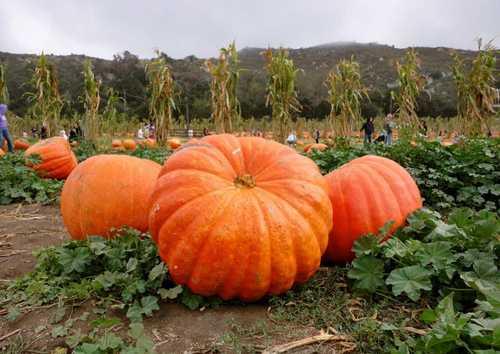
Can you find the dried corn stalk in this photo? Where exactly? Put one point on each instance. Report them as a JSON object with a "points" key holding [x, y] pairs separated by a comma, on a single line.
{"points": [[91, 103]]}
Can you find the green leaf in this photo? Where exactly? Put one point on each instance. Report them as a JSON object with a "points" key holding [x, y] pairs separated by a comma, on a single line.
{"points": [[134, 313], [366, 245], [110, 341], [149, 304], [171, 293], [105, 322], [368, 272], [59, 331], [87, 348], [410, 280], [190, 300], [158, 270], [428, 316], [132, 264], [13, 313]]}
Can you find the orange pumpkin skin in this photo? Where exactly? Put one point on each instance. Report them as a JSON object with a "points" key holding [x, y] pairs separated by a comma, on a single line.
{"points": [[20, 144], [2, 153], [58, 160], [129, 144], [116, 143], [315, 147], [366, 193], [240, 217], [150, 143], [106, 192], [174, 143]]}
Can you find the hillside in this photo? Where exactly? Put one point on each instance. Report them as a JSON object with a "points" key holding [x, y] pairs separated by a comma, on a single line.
{"points": [[125, 73]]}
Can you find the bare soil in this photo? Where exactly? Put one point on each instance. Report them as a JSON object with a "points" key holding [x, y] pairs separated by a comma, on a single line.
{"points": [[174, 328]]}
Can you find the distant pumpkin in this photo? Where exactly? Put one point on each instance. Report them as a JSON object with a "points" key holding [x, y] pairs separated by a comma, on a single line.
{"points": [[106, 192], [240, 217], [20, 144], [174, 143], [129, 144], [150, 143], [116, 143], [315, 147], [366, 193], [57, 158], [2, 153]]}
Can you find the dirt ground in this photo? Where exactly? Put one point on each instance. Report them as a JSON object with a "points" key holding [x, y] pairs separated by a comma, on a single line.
{"points": [[174, 328]]}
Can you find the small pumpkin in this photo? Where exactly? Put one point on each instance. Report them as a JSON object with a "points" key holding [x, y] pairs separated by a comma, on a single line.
{"points": [[20, 144], [240, 217], [57, 158], [2, 153], [106, 192], [366, 193], [129, 144], [116, 143], [150, 143], [315, 147], [174, 143]]}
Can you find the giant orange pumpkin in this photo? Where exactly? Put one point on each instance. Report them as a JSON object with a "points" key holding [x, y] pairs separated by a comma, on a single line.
{"points": [[57, 158], [240, 217], [366, 193], [129, 144], [20, 144], [106, 192]]}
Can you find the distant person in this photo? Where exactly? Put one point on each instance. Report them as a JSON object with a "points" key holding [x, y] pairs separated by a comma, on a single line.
{"points": [[140, 134], [43, 131], [368, 129], [205, 131], [25, 135], [317, 135], [72, 135], [292, 139], [34, 132], [4, 129], [388, 126], [62, 134]]}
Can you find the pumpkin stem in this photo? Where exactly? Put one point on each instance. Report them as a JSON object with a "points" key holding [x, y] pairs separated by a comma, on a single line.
{"points": [[245, 181]]}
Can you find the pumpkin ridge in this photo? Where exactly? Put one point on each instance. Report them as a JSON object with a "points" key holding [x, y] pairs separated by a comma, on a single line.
{"points": [[395, 196], [229, 139], [284, 153], [314, 230], [205, 244]]}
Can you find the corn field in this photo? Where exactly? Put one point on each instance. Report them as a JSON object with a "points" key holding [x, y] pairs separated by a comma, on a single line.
{"points": [[91, 103], [281, 90], [47, 102], [345, 92], [225, 77], [475, 92], [411, 83], [4, 92], [161, 99]]}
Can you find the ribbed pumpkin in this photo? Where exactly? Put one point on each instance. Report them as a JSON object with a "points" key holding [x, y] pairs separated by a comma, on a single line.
{"points": [[366, 193], [58, 160], [240, 217], [174, 143], [129, 144], [116, 143], [106, 192], [20, 144]]}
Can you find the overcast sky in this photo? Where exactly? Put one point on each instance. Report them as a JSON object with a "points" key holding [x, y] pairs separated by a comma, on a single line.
{"points": [[182, 27]]}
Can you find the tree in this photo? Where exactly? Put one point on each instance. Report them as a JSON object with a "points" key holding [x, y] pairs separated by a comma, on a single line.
{"points": [[47, 102], [4, 92], [475, 90], [92, 102], [346, 93], [410, 83], [225, 77], [281, 91], [161, 97]]}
